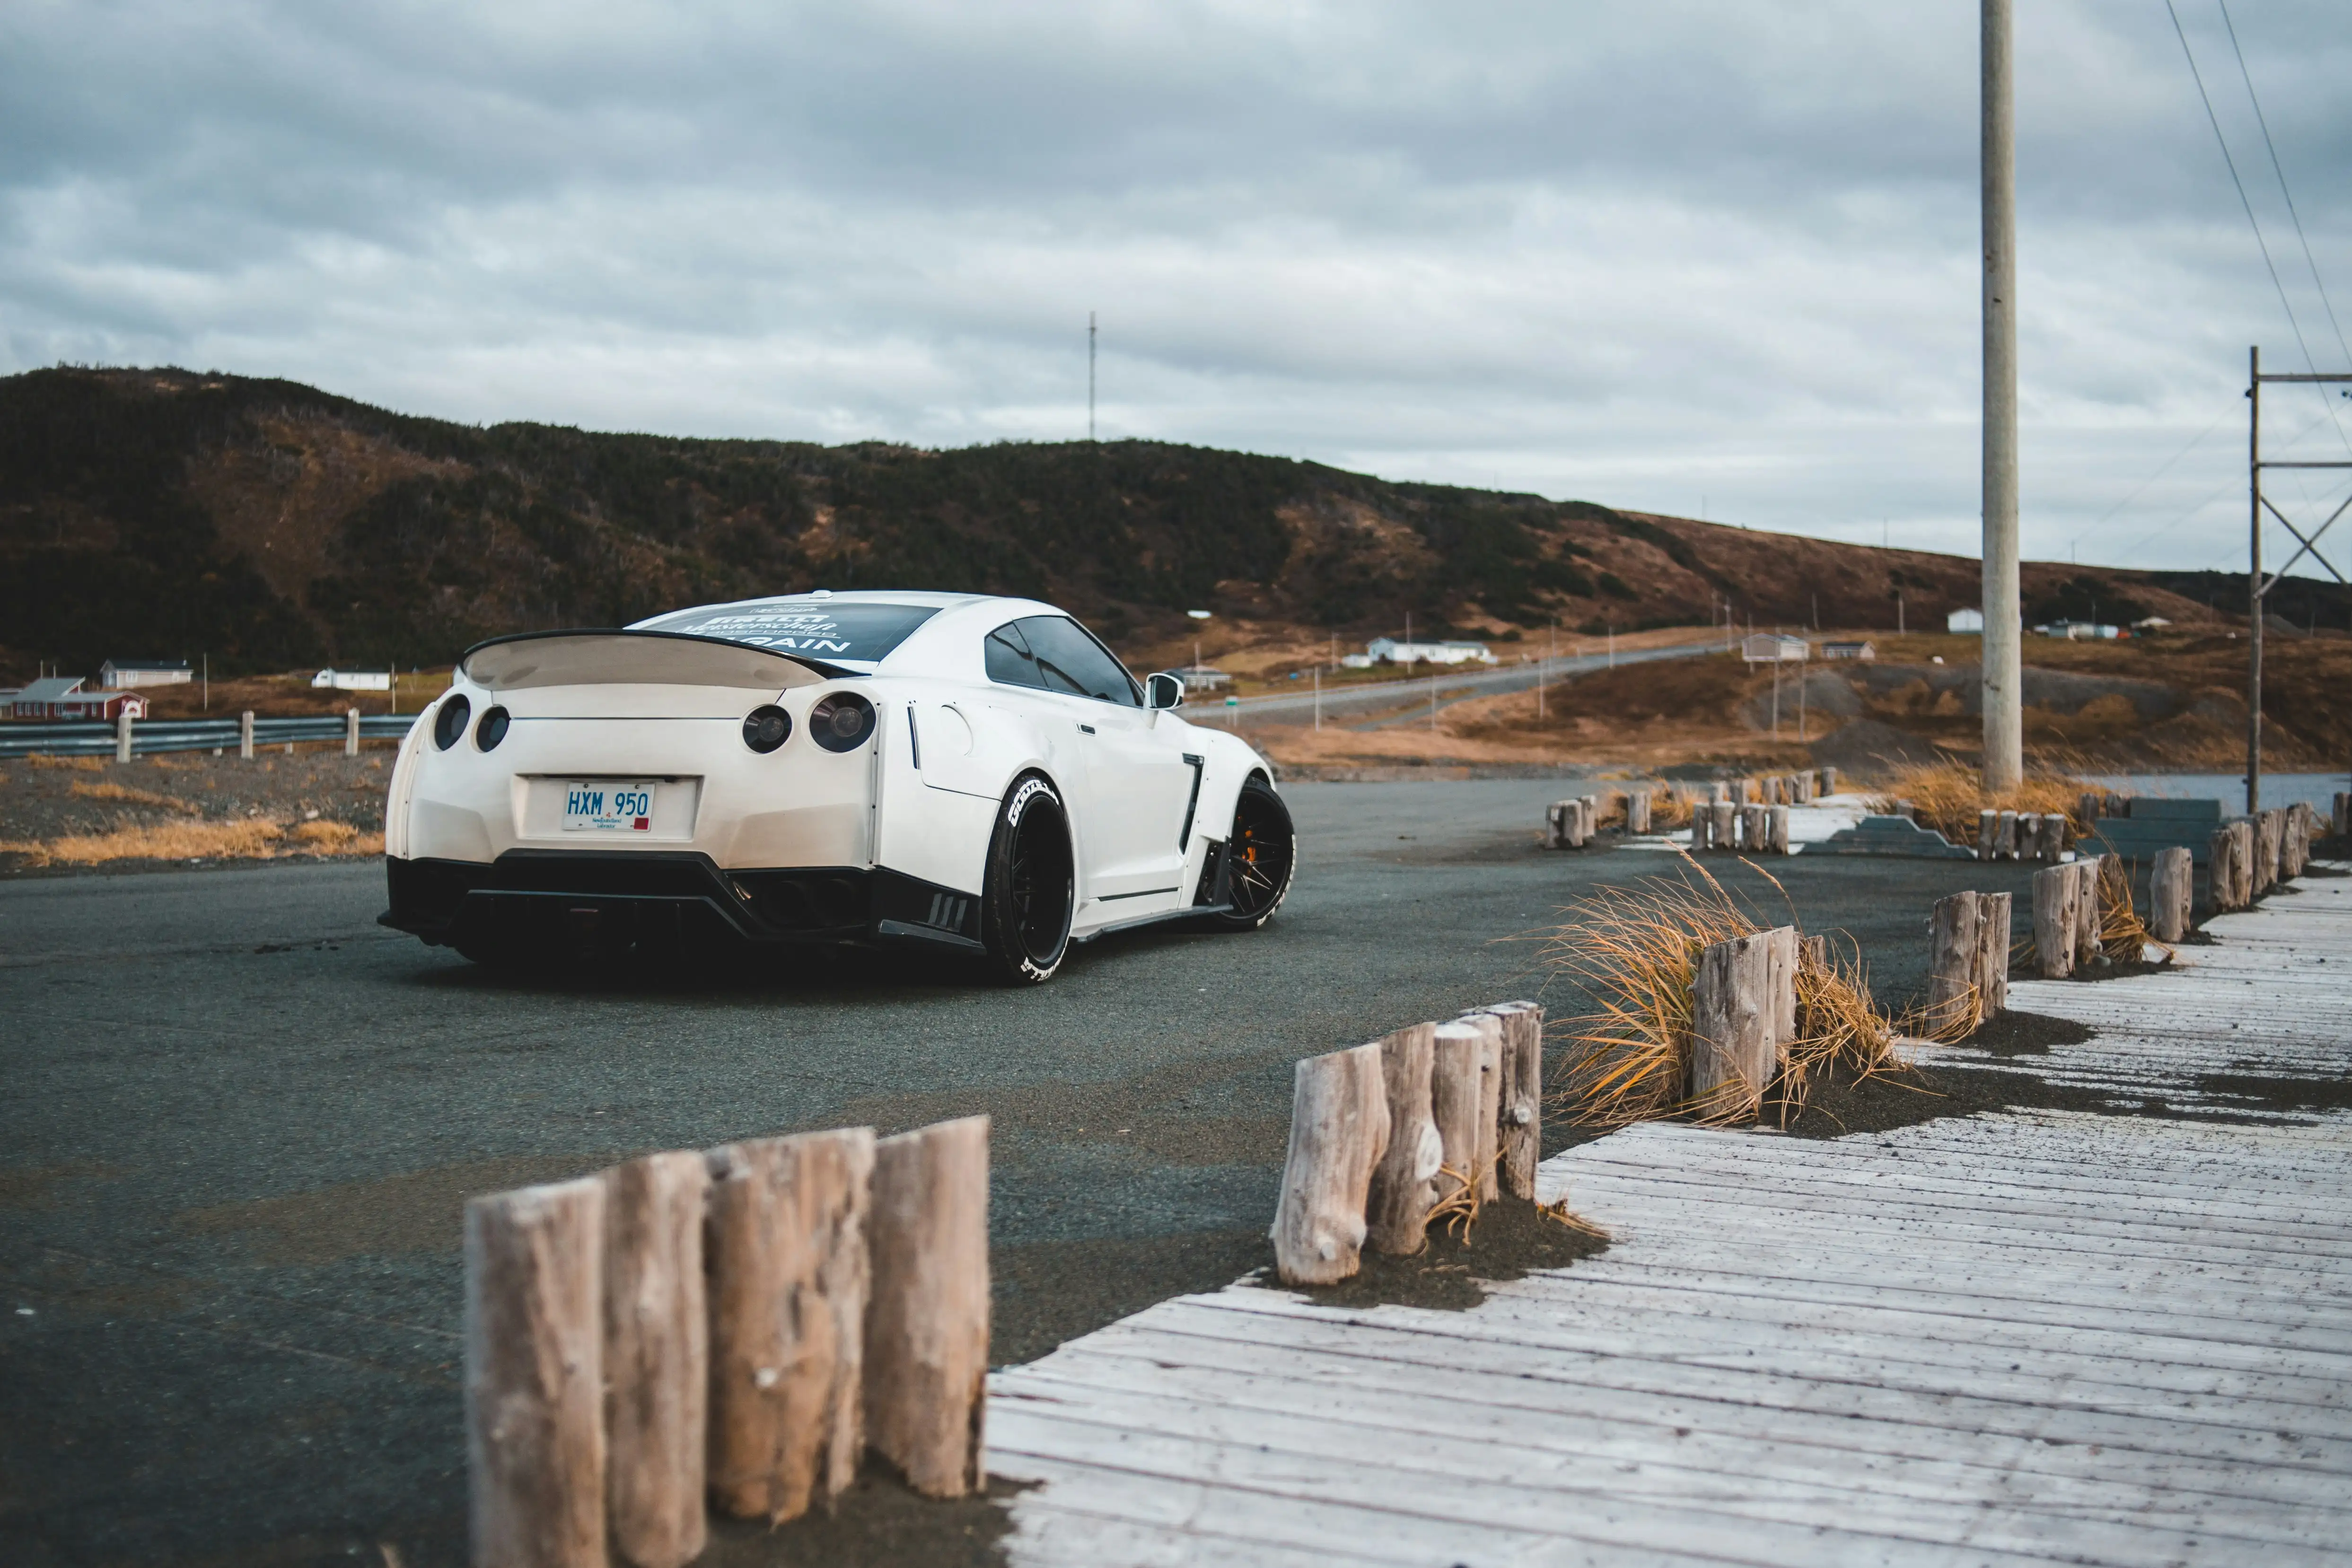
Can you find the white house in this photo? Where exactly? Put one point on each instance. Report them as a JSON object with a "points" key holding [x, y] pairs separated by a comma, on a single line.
{"points": [[118, 675], [1390, 650], [1772, 648], [1970, 621]]}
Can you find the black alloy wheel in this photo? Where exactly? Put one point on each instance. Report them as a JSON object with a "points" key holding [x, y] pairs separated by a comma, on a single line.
{"points": [[1031, 890], [1260, 857]]}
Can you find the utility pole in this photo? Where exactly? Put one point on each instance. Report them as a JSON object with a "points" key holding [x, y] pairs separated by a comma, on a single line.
{"points": [[2004, 630], [1090, 376], [2254, 580]]}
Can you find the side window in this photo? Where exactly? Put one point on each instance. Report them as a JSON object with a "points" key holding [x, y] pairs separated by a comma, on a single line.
{"points": [[1071, 661], [1009, 663]]}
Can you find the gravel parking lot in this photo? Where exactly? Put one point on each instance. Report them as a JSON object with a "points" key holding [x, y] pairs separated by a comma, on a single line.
{"points": [[241, 1119]]}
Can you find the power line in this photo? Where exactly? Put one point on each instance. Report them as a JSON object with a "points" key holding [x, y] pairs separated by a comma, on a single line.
{"points": [[2151, 479], [2276, 168], [2255, 223]]}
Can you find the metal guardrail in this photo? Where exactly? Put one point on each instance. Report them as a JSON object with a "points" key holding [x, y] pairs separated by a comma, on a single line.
{"points": [[147, 737]]}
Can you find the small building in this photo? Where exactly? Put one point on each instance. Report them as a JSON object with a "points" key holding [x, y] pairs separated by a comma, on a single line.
{"points": [[2150, 624], [118, 675], [1773, 648], [1970, 621], [352, 680], [1202, 678], [1395, 651], [62, 697], [2079, 631], [1849, 651], [1355, 661]]}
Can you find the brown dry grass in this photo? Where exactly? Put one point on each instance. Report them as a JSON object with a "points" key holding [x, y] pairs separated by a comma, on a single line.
{"points": [[2124, 937], [138, 797], [78, 764], [1949, 798], [1635, 950], [254, 839]]}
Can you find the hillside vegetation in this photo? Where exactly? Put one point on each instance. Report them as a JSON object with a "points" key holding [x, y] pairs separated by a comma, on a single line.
{"points": [[272, 526]]}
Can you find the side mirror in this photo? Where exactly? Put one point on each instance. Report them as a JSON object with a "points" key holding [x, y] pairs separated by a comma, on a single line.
{"points": [[1164, 690]]}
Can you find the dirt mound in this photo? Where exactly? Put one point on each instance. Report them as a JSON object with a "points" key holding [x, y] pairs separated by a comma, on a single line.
{"points": [[1869, 748]]}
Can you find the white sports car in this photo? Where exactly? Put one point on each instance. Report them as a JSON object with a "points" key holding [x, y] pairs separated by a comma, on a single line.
{"points": [[969, 774]]}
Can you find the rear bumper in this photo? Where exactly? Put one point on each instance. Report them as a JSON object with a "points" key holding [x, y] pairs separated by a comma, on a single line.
{"points": [[622, 899]]}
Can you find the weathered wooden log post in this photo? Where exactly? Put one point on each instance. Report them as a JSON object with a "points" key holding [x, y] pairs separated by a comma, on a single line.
{"points": [[1992, 953], [2169, 891], [2340, 822], [789, 1289], [1637, 811], [1702, 825], [2004, 836], [1776, 830], [1718, 792], [2290, 840], [1489, 1153], [1987, 821], [2242, 862], [657, 1358], [1591, 804], [2220, 879], [1829, 781], [1743, 1005], [1953, 993], [244, 734], [2057, 899], [2087, 806], [1555, 832], [2028, 835], [1457, 1051], [1770, 792], [535, 1376], [1338, 1132], [1751, 827], [927, 1321], [1519, 1112], [1404, 1183], [1813, 953], [2268, 828], [350, 732], [1720, 833], [2089, 908]]}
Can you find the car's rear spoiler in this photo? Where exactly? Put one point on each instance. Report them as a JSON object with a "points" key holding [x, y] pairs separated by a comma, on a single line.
{"points": [[616, 656]]}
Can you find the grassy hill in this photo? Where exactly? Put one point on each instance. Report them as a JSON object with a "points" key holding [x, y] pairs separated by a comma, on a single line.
{"points": [[271, 525]]}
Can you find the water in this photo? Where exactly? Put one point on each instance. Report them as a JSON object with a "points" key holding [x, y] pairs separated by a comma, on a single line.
{"points": [[2316, 790]]}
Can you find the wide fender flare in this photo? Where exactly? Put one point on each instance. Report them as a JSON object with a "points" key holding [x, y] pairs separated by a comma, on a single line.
{"points": [[1228, 763], [1008, 744]]}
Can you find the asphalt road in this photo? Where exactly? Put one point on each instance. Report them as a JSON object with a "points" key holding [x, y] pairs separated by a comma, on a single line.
{"points": [[240, 1119], [1458, 683]]}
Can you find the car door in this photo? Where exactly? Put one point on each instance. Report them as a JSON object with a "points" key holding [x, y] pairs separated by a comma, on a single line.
{"points": [[1140, 780]]}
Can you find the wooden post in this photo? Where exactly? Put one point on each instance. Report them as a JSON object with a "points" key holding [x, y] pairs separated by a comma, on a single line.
{"points": [[1770, 792], [2004, 836], [1751, 827], [1637, 811], [1456, 1052], [1813, 953], [535, 1376], [2087, 806], [1702, 826], [1338, 1132], [1718, 792], [657, 1358], [1952, 965], [2242, 862], [1986, 822], [1489, 1149], [352, 732], [2090, 869], [244, 734], [786, 1248], [927, 1324], [1776, 830], [2057, 897], [2219, 880], [1404, 1184], [1519, 1112], [1591, 804], [1737, 1019], [2341, 821], [122, 735], [1719, 834], [2168, 885], [2267, 828], [1992, 953]]}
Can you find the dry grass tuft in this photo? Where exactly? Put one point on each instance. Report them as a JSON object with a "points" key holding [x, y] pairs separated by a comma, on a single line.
{"points": [[1574, 1221], [137, 796], [253, 839], [2124, 937], [78, 764], [1949, 798]]}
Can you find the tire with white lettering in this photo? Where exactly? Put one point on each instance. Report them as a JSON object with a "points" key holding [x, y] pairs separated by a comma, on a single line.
{"points": [[1261, 855], [1031, 890]]}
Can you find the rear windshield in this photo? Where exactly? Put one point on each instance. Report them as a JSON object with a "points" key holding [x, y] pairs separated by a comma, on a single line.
{"points": [[809, 626]]}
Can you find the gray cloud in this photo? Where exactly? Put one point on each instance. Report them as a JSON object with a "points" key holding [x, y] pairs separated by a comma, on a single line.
{"points": [[1671, 256]]}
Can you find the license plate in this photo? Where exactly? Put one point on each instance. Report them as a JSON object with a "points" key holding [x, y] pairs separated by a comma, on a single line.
{"points": [[609, 805]]}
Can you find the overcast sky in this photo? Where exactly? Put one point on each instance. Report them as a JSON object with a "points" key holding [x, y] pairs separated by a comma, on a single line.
{"points": [[1715, 258]]}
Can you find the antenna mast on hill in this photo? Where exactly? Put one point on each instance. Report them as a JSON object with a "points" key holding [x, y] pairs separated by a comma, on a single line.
{"points": [[1090, 375]]}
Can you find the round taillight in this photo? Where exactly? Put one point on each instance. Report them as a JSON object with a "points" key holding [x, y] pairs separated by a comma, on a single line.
{"points": [[767, 728], [842, 721], [493, 729], [450, 722]]}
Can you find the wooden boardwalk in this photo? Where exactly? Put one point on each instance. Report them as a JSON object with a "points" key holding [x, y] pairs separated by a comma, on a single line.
{"points": [[2036, 1336]]}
